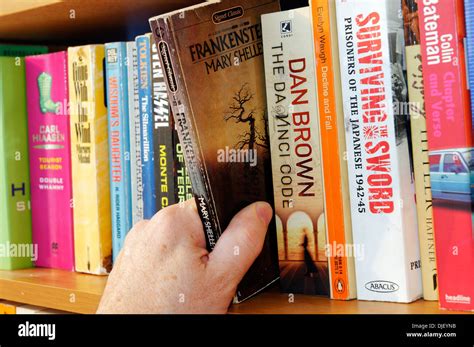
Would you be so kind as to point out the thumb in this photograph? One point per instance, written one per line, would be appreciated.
(241, 242)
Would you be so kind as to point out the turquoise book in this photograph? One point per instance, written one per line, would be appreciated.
(116, 70)
(16, 248)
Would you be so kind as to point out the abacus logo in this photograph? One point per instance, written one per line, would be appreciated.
(382, 286)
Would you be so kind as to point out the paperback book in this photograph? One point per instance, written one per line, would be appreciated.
(419, 144)
(340, 249)
(382, 194)
(449, 126)
(90, 160)
(144, 43)
(469, 12)
(119, 142)
(295, 151)
(134, 128)
(50, 159)
(212, 56)
(162, 135)
(16, 248)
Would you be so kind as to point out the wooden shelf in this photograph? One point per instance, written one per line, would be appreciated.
(80, 293)
(61, 290)
(80, 21)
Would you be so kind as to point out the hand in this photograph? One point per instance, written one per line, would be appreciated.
(164, 266)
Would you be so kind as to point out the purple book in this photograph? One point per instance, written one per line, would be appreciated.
(50, 159)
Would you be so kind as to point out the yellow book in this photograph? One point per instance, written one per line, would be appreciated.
(90, 163)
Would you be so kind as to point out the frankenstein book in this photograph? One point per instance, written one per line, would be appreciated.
(212, 57)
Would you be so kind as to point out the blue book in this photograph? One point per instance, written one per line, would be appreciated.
(146, 116)
(135, 134)
(469, 9)
(119, 142)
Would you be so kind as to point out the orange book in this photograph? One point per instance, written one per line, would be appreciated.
(7, 307)
(339, 247)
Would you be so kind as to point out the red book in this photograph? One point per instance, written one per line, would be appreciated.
(450, 144)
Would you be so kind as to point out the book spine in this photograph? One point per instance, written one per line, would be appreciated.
(145, 95)
(119, 143)
(295, 150)
(449, 126)
(134, 129)
(90, 160)
(469, 11)
(419, 139)
(180, 105)
(21, 50)
(380, 178)
(50, 159)
(15, 212)
(333, 147)
(183, 182)
(162, 135)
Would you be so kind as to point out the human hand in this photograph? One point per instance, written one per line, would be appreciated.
(164, 266)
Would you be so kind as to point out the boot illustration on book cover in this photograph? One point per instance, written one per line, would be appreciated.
(45, 82)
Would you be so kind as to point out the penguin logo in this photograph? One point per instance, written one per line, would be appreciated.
(340, 286)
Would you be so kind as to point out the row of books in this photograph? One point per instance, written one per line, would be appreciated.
(365, 130)
(87, 133)
(317, 110)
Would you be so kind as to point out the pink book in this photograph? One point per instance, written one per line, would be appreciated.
(50, 159)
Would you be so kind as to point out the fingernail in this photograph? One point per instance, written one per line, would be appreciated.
(264, 211)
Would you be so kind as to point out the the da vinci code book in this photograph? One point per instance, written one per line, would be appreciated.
(380, 177)
(50, 159)
(296, 151)
(212, 58)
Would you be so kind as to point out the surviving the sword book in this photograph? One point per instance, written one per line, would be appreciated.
(212, 57)
(384, 221)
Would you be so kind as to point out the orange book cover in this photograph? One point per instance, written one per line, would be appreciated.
(336, 193)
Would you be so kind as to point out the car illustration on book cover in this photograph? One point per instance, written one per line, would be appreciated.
(451, 171)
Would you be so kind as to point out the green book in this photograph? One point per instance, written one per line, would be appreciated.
(21, 50)
(16, 248)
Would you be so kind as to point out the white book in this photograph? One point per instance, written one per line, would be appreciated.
(293, 124)
(135, 134)
(380, 174)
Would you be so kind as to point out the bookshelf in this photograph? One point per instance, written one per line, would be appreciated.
(68, 22)
(80, 293)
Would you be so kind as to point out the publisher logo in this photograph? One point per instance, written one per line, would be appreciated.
(340, 286)
(286, 27)
(112, 55)
(457, 299)
(167, 66)
(227, 15)
(382, 286)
